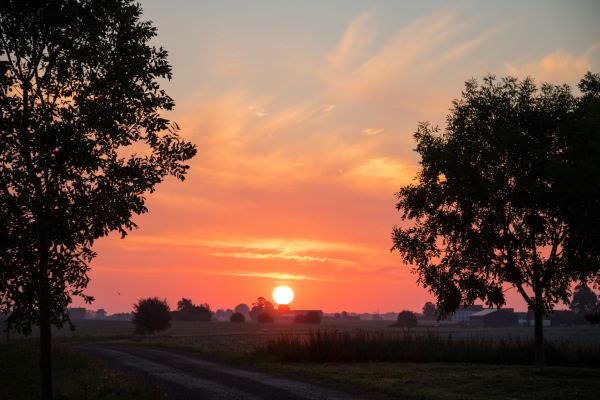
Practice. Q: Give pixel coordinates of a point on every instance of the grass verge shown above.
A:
(75, 376)
(450, 381)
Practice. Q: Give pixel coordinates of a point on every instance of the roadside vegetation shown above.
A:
(449, 381)
(326, 346)
(76, 376)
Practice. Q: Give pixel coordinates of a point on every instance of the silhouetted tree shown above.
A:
(237, 317)
(242, 309)
(407, 319)
(429, 311)
(311, 317)
(584, 302)
(188, 311)
(185, 305)
(283, 308)
(83, 141)
(508, 194)
(265, 317)
(261, 305)
(151, 315)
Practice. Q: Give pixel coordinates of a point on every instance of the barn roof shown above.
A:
(485, 312)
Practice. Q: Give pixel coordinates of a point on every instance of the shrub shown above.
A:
(311, 317)
(151, 315)
(407, 319)
(237, 317)
(265, 318)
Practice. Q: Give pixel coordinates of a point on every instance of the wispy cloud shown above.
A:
(275, 275)
(372, 131)
(354, 43)
(556, 67)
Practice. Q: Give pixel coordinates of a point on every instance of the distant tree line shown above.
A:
(188, 311)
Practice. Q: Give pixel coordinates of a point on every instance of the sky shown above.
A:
(303, 114)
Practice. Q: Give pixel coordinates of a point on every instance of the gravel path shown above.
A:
(184, 376)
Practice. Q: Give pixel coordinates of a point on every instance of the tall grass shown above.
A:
(407, 346)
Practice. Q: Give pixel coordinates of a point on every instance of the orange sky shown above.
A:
(303, 116)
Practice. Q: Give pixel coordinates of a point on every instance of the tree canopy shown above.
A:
(84, 139)
(188, 311)
(151, 315)
(508, 194)
(584, 301)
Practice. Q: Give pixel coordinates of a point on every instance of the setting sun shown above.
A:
(283, 295)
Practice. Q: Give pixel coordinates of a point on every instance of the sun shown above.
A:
(283, 295)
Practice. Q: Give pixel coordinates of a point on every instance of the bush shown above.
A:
(237, 317)
(311, 317)
(151, 315)
(407, 319)
(265, 318)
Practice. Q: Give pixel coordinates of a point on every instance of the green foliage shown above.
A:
(508, 194)
(83, 140)
(406, 319)
(237, 317)
(151, 315)
(408, 346)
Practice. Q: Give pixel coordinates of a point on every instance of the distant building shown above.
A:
(464, 312)
(76, 313)
(562, 318)
(120, 317)
(289, 315)
(527, 319)
(494, 317)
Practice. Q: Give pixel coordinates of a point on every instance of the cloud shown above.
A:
(372, 131)
(556, 67)
(354, 43)
(384, 169)
(411, 56)
(285, 246)
(275, 275)
(464, 48)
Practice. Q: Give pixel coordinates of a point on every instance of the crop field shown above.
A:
(252, 333)
(426, 362)
(357, 341)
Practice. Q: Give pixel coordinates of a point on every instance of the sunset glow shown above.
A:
(303, 114)
(283, 295)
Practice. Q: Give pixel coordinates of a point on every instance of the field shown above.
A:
(372, 356)
(75, 376)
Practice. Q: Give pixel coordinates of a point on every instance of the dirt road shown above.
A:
(184, 376)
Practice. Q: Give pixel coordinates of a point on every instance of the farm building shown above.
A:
(464, 312)
(492, 317)
(291, 315)
(527, 319)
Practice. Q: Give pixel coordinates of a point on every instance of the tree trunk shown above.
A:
(539, 337)
(45, 355)
(45, 326)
